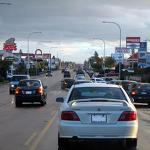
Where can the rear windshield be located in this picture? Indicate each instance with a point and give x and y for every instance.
(144, 86)
(97, 92)
(29, 83)
(18, 78)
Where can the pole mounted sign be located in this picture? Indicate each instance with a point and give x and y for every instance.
(133, 42)
(10, 45)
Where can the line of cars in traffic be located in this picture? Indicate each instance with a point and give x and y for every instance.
(27, 90)
(139, 92)
(101, 109)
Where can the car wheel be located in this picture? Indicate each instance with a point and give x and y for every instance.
(43, 102)
(131, 143)
(63, 143)
(149, 104)
(10, 92)
(18, 104)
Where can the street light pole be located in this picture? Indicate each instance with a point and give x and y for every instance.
(29, 35)
(119, 44)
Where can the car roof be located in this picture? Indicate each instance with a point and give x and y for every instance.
(20, 75)
(96, 85)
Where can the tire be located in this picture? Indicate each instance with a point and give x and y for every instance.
(10, 92)
(18, 104)
(148, 104)
(63, 144)
(131, 143)
(43, 102)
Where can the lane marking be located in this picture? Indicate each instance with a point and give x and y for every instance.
(30, 139)
(42, 133)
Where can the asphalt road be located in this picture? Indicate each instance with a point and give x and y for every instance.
(33, 127)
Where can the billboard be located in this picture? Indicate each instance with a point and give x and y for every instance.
(133, 42)
(122, 50)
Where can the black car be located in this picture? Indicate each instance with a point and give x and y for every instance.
(67, 83)
(141, 93)
(30, 91)
(67, 74)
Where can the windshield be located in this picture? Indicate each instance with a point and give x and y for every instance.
(97, 92)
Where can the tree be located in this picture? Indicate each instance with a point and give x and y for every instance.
(109, 62)
(96, 62)
(4, 66)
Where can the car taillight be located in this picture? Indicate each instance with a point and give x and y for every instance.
(128, 116)
(40, 90)
(18, 90)
(70, 116)
(133, 93)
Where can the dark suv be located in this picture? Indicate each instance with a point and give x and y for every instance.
(15, 81)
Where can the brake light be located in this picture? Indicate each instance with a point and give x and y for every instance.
(40, 90)
(128, 116)
(133, 93)
(70, 116)
(18, 90)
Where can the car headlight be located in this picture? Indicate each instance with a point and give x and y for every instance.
(12, 85)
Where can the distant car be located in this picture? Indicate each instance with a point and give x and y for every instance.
(141, 93)
(48, 73)
(79, 77)
(30, 91)
(98, 80)
(97, 111)
(67, 74)
(15, 81)
(67, 83)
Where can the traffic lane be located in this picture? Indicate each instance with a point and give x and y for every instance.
(20, 125)
(144, 126)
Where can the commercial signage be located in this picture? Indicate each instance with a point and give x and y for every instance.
(10, 45)
(118, 57)
(143, 47)
(133, 42)
(122, 50)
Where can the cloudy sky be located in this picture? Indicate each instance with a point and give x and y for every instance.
(73, 29)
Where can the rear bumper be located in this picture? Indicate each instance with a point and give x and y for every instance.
(141, 99)
(29, 98)
(88, 131)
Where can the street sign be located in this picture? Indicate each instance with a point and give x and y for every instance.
(122, 50)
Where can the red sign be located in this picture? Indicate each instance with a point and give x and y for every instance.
(9, 47)
(132, 39)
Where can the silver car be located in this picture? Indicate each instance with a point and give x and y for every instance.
(94, 111)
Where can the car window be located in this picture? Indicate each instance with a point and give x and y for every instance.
(30, 83)
(97, 92)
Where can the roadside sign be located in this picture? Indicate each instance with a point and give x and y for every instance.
(133, 42)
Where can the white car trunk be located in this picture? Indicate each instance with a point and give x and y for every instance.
(99, 112)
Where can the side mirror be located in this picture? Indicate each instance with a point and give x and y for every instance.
(60, 99)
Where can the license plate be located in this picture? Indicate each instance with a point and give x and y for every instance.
(99, 118)
(28, 92)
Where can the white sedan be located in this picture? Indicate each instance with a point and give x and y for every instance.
(97, 111)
